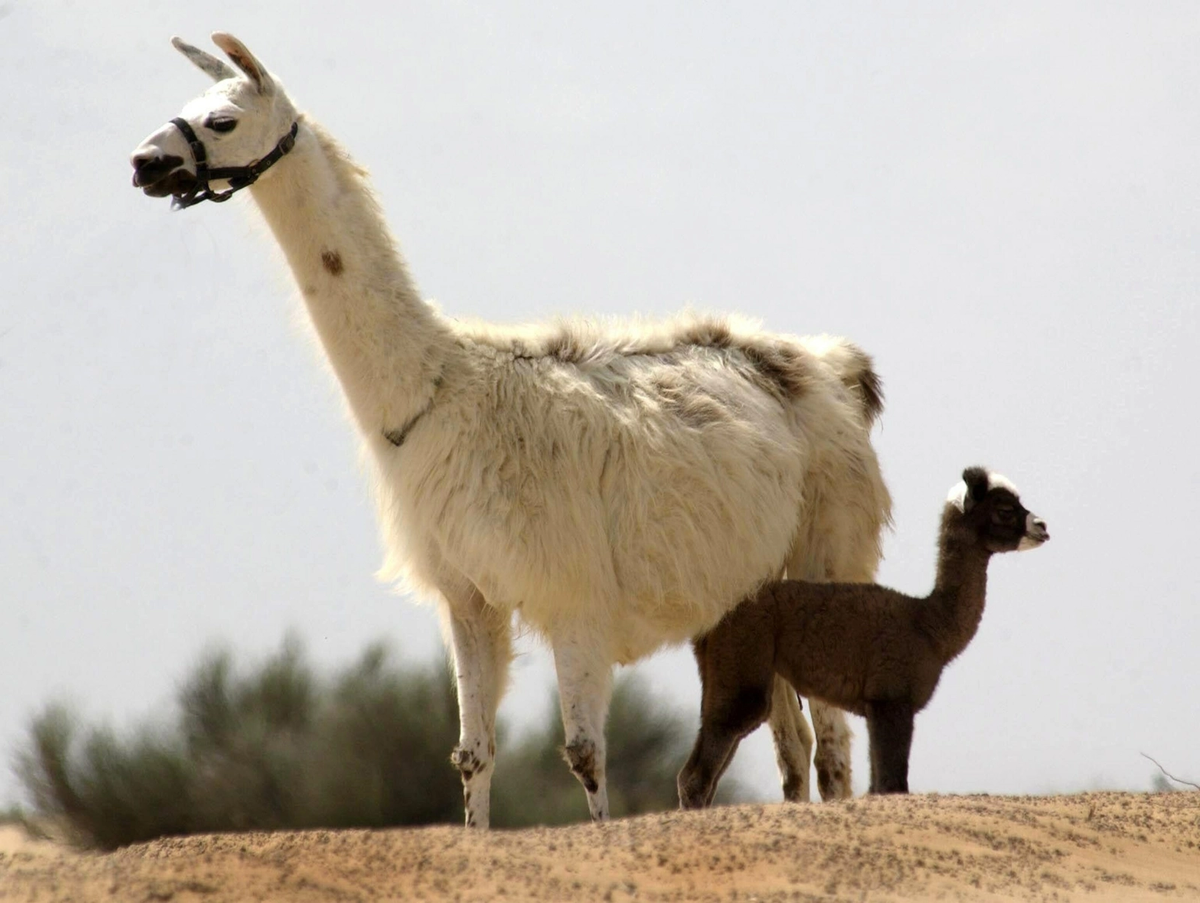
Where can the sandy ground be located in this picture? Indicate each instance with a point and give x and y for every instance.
(1097, 846)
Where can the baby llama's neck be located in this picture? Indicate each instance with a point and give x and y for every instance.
(955, 607)
(388, 348)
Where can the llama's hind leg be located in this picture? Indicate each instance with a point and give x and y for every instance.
(832, 759)
(584, 691)
(481, 638)
(793, 742)
(890, 725)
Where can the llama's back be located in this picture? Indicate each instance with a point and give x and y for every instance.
(643, 492)
(846, 643)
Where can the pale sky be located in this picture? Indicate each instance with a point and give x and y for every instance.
(998, 202)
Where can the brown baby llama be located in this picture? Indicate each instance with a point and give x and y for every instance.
(860, 646)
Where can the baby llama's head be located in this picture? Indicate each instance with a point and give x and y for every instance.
(986, 508)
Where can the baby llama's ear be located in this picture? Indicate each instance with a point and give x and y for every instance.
(976, 479)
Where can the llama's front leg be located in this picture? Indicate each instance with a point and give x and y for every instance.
(482, 641)
(584, 689)
(697, 780)
(793, 741)
(729, 714)
(890, 726)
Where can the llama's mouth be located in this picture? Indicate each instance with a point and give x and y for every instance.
(1036, 533)
(178, 182)
(160, 175)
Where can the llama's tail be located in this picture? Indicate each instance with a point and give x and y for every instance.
(856, 370)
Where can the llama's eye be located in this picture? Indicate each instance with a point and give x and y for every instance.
(222, 123)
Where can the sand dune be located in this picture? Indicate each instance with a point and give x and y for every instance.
(1096, 846)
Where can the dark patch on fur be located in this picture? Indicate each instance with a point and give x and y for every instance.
(332, 261)
(708, 334)
(782, 366)
(565, 347)
(466, 762)
(397, 436)
(581, 756)
(830, 776)
(569, 346)
(870, 391)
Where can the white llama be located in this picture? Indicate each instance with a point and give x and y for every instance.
(621, 487)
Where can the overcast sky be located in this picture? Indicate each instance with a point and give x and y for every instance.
(999, 203)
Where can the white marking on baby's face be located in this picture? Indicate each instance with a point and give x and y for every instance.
(1035, 533)
(958, 493)
(999, 481)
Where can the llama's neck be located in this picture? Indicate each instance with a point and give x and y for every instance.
(388, 348)
(955, 607)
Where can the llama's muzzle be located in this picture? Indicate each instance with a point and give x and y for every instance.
(1036, 533)
(160, 175)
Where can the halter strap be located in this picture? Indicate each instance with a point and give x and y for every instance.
(239, 177)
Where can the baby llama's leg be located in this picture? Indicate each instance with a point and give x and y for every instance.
(890, 725)
(731, 713)
(737, 672)
(584, 691)
(482, 642)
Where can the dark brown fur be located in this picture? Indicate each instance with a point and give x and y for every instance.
(581, 757)
(332, 261)
(867, 385)
(781, 365)
(862, 647)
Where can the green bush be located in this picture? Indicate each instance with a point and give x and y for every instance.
(281, 747)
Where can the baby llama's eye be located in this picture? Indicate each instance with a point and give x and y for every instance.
(222, 124)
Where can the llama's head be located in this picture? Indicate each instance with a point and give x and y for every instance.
(238, 128)
(987, 508)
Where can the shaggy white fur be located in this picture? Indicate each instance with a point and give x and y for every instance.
(619, 486)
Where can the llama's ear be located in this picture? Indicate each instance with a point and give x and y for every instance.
(976, 479)
(244, 60)
(205, 62)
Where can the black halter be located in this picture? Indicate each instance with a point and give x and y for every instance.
(238, 177)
